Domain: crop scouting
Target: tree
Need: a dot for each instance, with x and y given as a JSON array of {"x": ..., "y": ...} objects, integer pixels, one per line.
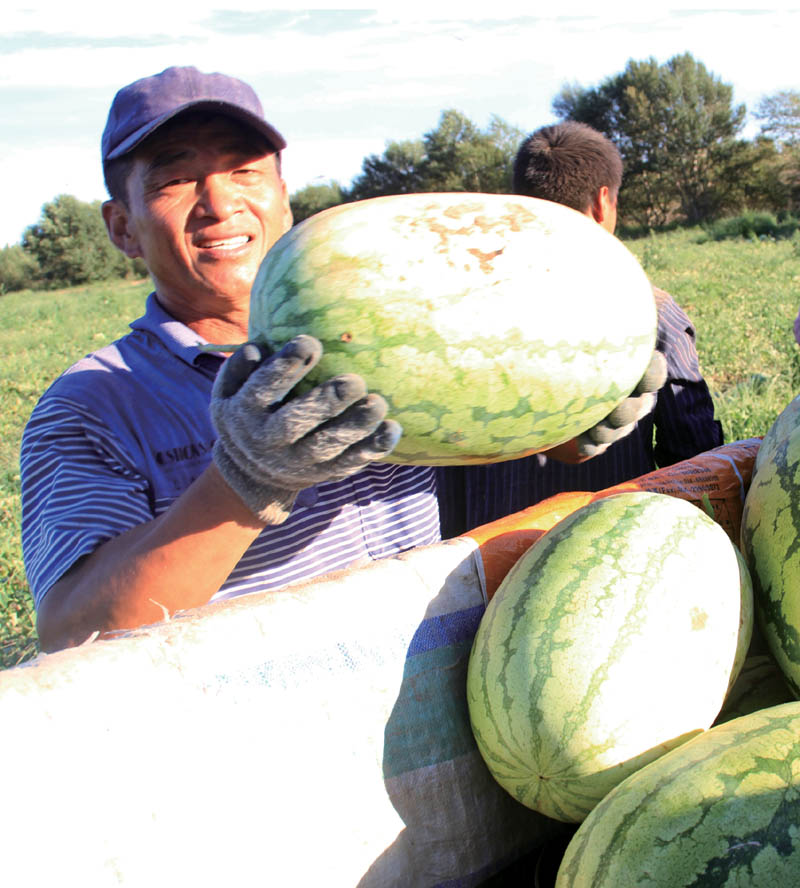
[
  {"x": 461, "y": 157},
  {"x": 397, "y": 171},
  {"x": 18, "y": 269},
  {"x": 781, "y": 115},
  {"x": 314, "y": 199},
  {"x": 70, "y": 245},
  {"x": 455, "y": 156},
  {"x": 676, "y": 129}
]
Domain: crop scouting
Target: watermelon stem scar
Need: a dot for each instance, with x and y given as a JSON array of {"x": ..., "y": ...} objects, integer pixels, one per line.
[{"x": 229, "y": 347}]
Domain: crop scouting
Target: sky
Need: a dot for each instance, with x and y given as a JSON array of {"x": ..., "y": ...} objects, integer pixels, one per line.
[{"x": 340, "y": 83}]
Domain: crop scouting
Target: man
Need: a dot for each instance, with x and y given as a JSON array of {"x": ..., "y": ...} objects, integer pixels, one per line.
[
  {"x": 157, "y": 476},
  {"x": 573, "y": 164},
  {"x": 137, "y": 498}
]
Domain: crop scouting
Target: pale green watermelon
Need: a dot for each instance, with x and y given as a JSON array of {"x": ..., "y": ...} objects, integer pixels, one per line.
[
  {"x": 771, "y": 540},
  {"x": 612, "y": 640},
  {"x": 721, "y": 810},
  {"x": 494, "y": 325}
]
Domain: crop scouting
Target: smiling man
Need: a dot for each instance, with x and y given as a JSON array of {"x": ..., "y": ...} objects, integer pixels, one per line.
[{"x": 157, "y": 476}]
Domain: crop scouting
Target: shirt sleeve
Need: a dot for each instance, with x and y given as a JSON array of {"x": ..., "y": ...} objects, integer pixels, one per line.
[
  {"x": 78, "y": 490},
  {"x": 684, "y": 413}
]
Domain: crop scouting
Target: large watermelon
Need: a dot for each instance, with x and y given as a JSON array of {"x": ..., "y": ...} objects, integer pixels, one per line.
[
  {"x": 613, "y": 639},
  {"x": 721, "y": 810},
  {"x": 494, "y": 325},
  {"x": 771, "y": 540}
]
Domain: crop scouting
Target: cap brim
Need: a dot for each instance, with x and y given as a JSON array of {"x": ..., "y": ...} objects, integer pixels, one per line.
[{"x": 252, "y": 120}]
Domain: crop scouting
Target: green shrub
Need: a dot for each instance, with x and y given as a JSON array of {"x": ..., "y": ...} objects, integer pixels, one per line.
[
  {"x": 752, "y": 225},
  {"x": 18, "y": 270}
]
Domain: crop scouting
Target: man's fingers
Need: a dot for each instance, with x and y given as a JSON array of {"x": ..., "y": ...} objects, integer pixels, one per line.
[
  {"x": 655, "y": 376},
  {"x": 354, "y": 424},
  {"x": 373, "y": 447},
  {"x": 273, "y": 379},
  {"x": 295, "y": 419},
  {"x": 239, "y": 366},
  {"x": 630, "y": 410}
]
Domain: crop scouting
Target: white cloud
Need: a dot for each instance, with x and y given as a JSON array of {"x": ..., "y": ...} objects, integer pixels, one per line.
[{"x": 340, "y": 96}]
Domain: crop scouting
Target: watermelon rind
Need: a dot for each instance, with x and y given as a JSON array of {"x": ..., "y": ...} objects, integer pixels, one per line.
[
  {"x": 494, "y": 325},
  {"x": 770, "y": 539},
  {"x": 613, "y": 639},
  {"x": 721, "y": 810}
]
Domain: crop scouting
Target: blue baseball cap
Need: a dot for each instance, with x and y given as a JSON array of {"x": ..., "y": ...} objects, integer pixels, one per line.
[{"x": 140, "y": 108}]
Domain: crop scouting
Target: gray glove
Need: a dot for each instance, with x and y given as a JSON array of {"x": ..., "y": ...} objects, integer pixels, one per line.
[
  {"x": 269, "y": 449},
  {"x": 622, "y": 419}
]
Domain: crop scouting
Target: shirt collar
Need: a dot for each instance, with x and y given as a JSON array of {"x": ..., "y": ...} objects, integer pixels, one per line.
[{"x": 181, "y": 340}]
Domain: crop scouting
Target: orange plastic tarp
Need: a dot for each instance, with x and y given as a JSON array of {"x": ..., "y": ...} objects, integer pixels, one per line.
[{"x": 718, "y": 478}]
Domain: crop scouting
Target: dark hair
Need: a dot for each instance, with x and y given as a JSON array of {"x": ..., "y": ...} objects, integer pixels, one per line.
[
  {"x": 117, "y": 171},
  {"x": 567, "y": 163}
]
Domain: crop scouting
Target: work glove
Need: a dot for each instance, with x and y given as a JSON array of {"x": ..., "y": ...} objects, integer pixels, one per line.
[
  {"x": 269, "y": 448},
  {"x": 622, "y": 419}
]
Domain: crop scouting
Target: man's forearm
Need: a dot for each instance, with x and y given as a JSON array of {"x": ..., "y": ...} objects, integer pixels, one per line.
[{"x": 177, "y": 561}]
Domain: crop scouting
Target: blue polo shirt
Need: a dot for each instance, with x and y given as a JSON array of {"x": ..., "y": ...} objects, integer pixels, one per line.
[{"x": 124, "y": 431}]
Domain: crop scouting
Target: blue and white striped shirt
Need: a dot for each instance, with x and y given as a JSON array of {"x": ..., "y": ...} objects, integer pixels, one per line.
[{"x": 122, "y": 433}]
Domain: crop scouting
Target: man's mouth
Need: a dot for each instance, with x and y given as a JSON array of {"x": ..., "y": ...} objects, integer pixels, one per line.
[{"x": 225, "y": 243}]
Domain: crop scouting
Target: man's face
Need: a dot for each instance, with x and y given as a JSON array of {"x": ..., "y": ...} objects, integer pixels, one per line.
[{"x": 205, "y": 203}]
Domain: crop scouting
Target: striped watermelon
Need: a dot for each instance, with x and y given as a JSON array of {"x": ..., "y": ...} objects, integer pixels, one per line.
[
  {"x": 770, "y": 532},
  {"x": 721, "y": 810},
  {"x": 494, "y": 325},
  {"x": 613, "y": 639}
]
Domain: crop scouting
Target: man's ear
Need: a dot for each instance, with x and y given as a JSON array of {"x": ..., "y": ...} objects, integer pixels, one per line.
[
  {"x": 115, "y": 215},
  {"x": 288, "y": 218},
  {"x": 604, "y": 209},
  {"x": 599, "y": 204}
]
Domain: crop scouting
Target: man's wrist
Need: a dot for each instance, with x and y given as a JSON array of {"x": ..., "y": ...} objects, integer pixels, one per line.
[{"x": 265, "y": 505}]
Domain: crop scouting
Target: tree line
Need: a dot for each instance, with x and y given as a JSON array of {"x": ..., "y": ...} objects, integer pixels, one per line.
[{"x": 675, "y": 124}]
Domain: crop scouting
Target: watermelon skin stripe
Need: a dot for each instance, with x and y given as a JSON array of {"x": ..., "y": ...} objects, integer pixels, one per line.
[
  {"x": 721, "y": 810},
  {"x": 573, "y": 649}
]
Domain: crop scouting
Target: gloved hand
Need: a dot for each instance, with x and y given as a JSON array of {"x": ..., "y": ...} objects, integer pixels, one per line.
[
  {"x": 623, "y": 418},
  {"x": 268, "y": 450}
]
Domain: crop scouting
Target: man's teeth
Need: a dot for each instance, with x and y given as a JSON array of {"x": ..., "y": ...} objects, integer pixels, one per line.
[{"x": 227, "y": 243}]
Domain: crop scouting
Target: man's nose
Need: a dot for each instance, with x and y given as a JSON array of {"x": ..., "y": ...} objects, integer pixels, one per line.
[{"x": 217, "y": 197}]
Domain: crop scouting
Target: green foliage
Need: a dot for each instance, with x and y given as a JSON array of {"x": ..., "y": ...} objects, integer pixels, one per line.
[
  {"x": 42, "y": 334},
  {"x": 461, "y": 157},
  {"x": 71, "y": 247},
  {"x": 742, "y": 297},
  {"x": 18, "y": 269},
  {"x": 397, "y": 171},
  {"x": 455, "y": 156},
  {"x": 781, "y": 115},
  {"x": 314, "y": 199},
  {"x": 751, "y": 225},
  {"x": 675, "y": 127}
]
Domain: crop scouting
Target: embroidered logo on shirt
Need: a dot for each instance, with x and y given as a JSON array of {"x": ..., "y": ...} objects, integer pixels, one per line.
[{"x": 183, "y": 453}]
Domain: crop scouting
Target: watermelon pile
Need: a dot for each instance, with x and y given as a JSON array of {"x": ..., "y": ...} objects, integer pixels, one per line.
[
  {"x": 494, "y": 325},
  {"x": 591, "y": 702}
]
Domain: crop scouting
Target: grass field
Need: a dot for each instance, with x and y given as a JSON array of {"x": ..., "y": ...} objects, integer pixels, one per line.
[{"x": 742, "y": 295}]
